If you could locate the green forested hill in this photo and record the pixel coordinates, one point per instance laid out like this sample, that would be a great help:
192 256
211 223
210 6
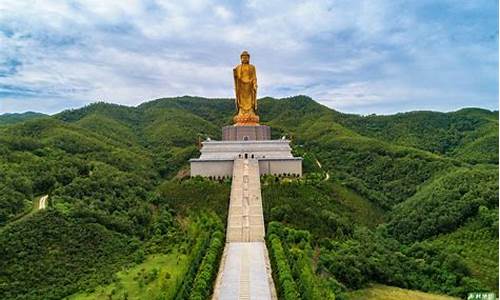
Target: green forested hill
405 192
448 134
7 119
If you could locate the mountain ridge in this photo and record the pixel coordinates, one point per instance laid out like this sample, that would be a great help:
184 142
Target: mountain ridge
120 171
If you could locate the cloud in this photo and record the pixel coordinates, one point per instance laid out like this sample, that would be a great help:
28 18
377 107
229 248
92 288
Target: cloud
365 56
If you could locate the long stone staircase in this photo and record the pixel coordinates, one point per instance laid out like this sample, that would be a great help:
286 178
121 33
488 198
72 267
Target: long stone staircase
245 271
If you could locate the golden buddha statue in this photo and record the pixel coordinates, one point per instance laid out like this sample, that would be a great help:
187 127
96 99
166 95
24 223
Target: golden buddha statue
245 84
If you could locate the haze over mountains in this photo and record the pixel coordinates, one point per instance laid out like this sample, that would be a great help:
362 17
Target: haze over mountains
409 200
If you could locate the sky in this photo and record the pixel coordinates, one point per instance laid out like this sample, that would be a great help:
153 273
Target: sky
366 56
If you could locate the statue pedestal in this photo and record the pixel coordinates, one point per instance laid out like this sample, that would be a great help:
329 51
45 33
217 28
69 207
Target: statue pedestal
249 119
246 133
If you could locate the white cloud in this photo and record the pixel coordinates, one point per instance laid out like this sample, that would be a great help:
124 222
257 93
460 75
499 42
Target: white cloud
223 13
350 55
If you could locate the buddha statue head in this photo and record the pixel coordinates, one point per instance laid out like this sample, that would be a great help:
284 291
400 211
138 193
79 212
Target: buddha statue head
245 57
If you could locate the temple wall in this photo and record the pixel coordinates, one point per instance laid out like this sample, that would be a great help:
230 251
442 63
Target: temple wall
224 168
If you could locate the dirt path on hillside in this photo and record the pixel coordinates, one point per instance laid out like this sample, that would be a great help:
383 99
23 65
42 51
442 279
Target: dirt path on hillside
327 175
42 203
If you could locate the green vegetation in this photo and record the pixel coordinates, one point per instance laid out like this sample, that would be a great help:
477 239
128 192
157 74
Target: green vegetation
291 258
8 119
477 243
156 277
72 255
196 195
409 201
311 203
205 256
167 275
382 292
202 285
371 257
287 288
184 289
384 174
445 203
441 133
317 269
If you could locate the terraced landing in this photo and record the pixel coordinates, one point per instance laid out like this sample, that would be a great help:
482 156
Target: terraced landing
245 272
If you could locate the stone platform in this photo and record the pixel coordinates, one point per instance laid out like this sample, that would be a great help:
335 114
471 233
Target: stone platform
274 156
246 133
250 142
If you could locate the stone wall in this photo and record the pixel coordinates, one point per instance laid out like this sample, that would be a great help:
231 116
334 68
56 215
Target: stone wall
285 167
217 169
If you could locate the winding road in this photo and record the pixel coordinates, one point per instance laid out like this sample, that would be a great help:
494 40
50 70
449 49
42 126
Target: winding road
327 176
42 203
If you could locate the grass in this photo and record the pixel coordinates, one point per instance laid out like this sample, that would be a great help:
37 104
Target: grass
133 281
384 292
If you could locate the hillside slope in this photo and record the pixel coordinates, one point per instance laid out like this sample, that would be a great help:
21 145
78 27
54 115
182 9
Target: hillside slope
401 190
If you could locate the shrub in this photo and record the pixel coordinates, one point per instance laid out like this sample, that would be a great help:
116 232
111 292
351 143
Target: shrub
287 288
202 286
